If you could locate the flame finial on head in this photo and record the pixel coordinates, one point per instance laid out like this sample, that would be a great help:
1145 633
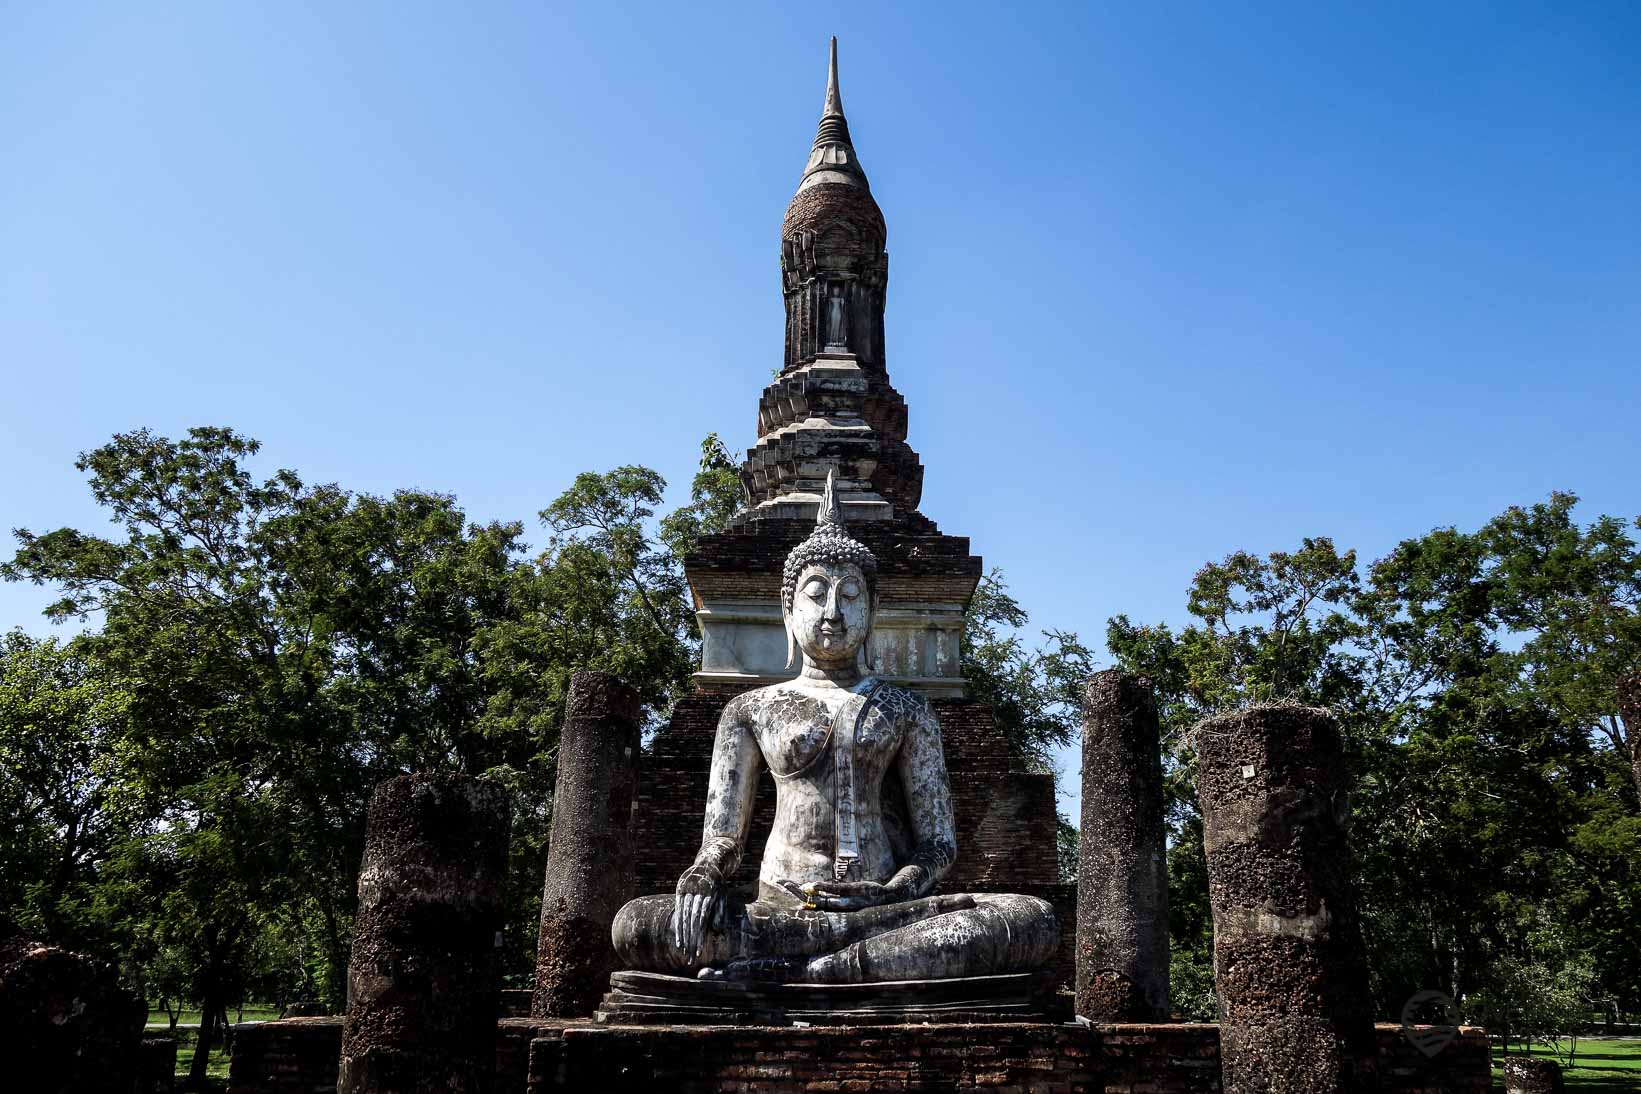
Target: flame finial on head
831 513
828 543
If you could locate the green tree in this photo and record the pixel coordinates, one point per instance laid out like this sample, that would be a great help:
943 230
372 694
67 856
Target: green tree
1574 594
286 647
1474 674
607 593
1268 629
1034 693
1510 642
64 748
715 495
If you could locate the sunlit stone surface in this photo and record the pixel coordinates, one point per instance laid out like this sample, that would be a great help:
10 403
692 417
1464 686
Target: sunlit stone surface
846 888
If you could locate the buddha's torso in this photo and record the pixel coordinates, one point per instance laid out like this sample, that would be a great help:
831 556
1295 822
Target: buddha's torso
830 758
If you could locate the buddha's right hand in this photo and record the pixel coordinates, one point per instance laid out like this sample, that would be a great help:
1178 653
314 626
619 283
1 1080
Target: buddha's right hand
696 896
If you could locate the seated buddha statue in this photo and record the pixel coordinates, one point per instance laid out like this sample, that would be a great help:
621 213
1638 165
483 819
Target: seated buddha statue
847 888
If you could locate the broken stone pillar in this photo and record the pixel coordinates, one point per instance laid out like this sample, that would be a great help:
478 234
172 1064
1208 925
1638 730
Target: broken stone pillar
423 981
589 858
1629 708
1122 871
1524 1075
1288 958
70 1025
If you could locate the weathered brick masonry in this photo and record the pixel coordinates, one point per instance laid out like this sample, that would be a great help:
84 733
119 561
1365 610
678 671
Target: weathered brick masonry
301 1055
916 561
298 1056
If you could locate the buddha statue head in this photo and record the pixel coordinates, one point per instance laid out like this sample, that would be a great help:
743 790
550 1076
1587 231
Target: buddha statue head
829 592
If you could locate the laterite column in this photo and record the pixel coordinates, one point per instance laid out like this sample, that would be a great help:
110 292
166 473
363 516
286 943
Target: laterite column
1122 871
423 981
589 859
1288 957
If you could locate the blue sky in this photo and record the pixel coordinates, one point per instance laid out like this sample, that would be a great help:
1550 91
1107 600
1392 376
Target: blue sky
1166 280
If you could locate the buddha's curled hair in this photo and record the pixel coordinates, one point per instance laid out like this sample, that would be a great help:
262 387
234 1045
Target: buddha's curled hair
828 543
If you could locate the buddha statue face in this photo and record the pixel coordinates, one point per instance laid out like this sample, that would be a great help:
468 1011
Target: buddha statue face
830 615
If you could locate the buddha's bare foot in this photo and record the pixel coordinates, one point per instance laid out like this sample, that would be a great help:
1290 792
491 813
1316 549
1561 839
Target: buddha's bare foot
768 970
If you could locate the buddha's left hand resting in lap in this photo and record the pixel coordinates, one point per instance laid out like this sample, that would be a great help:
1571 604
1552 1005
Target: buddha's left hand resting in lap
845 894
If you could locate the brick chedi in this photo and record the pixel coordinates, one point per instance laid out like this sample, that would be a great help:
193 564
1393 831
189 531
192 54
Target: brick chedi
832 408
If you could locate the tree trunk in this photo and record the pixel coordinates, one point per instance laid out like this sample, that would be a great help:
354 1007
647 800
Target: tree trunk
65 865
1629 707
210 1006
207 1037
336 958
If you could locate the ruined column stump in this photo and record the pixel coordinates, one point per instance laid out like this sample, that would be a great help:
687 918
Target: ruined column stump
1122 872
590 856
1532 1076
423 979
67 1025
1288 959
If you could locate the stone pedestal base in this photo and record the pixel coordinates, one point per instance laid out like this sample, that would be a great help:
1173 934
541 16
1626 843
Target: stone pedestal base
299 1056
642 998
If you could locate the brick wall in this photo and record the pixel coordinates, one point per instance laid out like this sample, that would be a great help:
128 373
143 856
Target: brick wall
299 1056
290 1056
302 1055
916 563
1034 1058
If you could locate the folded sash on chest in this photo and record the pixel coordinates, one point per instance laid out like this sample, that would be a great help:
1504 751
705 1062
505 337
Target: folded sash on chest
845 797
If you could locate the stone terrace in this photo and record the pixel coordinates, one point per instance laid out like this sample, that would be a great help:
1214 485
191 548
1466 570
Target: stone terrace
299 1056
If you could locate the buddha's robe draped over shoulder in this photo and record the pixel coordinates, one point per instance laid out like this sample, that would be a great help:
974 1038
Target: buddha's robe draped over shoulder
831 823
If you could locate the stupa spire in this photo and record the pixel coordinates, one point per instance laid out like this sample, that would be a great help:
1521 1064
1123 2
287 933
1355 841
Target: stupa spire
831 414
834 101
832 157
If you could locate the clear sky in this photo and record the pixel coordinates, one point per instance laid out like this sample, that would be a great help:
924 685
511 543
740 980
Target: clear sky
1166 280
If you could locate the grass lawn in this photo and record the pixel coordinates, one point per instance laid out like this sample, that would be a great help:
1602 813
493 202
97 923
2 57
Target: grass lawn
1611 1065
188 1033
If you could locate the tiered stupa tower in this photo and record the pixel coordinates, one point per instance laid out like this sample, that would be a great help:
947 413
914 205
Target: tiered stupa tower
832 408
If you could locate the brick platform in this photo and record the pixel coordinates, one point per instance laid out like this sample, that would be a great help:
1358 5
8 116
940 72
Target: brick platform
299 1056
